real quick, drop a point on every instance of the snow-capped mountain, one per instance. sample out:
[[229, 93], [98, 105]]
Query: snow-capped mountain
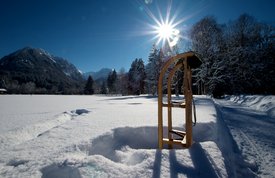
[[101, 74], [45, 71], [68, 68]]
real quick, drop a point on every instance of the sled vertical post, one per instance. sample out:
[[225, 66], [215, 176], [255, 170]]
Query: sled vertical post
[[160, 115], [185, 61], [188, 104]]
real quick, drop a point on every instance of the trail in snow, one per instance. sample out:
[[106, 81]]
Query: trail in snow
[[254, 134], [23, 134]]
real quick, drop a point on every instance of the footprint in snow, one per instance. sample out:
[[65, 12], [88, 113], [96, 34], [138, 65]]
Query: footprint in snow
[[80, 111]]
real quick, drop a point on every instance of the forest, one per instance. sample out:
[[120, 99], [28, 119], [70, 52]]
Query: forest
[[237, 58]]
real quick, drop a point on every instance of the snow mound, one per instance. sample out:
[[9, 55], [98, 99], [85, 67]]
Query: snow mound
[[201, 160], [133, 152], [29, 132], [23, 134], [256, 102]]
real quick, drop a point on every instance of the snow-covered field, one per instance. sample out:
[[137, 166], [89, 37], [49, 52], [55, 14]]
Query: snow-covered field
[[103, 136]]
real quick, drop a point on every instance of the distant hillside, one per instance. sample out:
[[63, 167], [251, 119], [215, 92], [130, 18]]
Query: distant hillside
[[32, 70], [102, 74]]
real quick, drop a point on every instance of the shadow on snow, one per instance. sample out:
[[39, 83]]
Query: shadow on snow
[[145, 138]]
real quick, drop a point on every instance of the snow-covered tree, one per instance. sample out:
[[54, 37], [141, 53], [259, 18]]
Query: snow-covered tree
[[122, 84], [112, 82], [207, 42], [237, 57], [136, 77], [249, 58], [153, 68]]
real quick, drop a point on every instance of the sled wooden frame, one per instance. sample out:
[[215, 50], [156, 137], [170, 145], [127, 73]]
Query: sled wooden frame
[[187, 61]]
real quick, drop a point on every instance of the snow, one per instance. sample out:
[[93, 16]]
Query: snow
[[116, 136], [256, 102], [3, 90], [43, 52], [251, 122], [80, 71]]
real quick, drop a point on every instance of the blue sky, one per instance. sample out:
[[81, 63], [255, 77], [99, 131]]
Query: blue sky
[[93, 34]]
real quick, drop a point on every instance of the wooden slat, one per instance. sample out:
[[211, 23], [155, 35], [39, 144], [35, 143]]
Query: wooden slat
[[174, 104], [180, 105], [173, 141], [178, 132]]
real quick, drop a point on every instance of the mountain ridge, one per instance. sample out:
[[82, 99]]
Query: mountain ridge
[[100, 74], [45, 72]]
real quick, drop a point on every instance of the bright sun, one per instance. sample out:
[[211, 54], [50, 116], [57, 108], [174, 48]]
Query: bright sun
[[164, 27], [167, 33]]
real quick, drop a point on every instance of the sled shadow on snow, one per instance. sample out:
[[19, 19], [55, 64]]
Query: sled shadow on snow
[[147, 138], [141, 138], [137, 138], [132, 97], [60, 171], [202, 166]]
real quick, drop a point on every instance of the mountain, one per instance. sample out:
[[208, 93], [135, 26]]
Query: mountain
[[99, 75], [68, 68], [34, 70]]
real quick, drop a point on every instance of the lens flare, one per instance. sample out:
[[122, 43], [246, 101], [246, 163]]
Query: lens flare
[[164, 27], [167, 33], [148, 1]]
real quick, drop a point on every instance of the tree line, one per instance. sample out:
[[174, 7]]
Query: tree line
[[237, 58], [140, 78]]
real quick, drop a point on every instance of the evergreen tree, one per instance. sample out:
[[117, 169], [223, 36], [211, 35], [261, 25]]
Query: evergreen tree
[[122, 84], [89, 87], [136, 77], [103, 89], [112, 82], [153, 68]]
